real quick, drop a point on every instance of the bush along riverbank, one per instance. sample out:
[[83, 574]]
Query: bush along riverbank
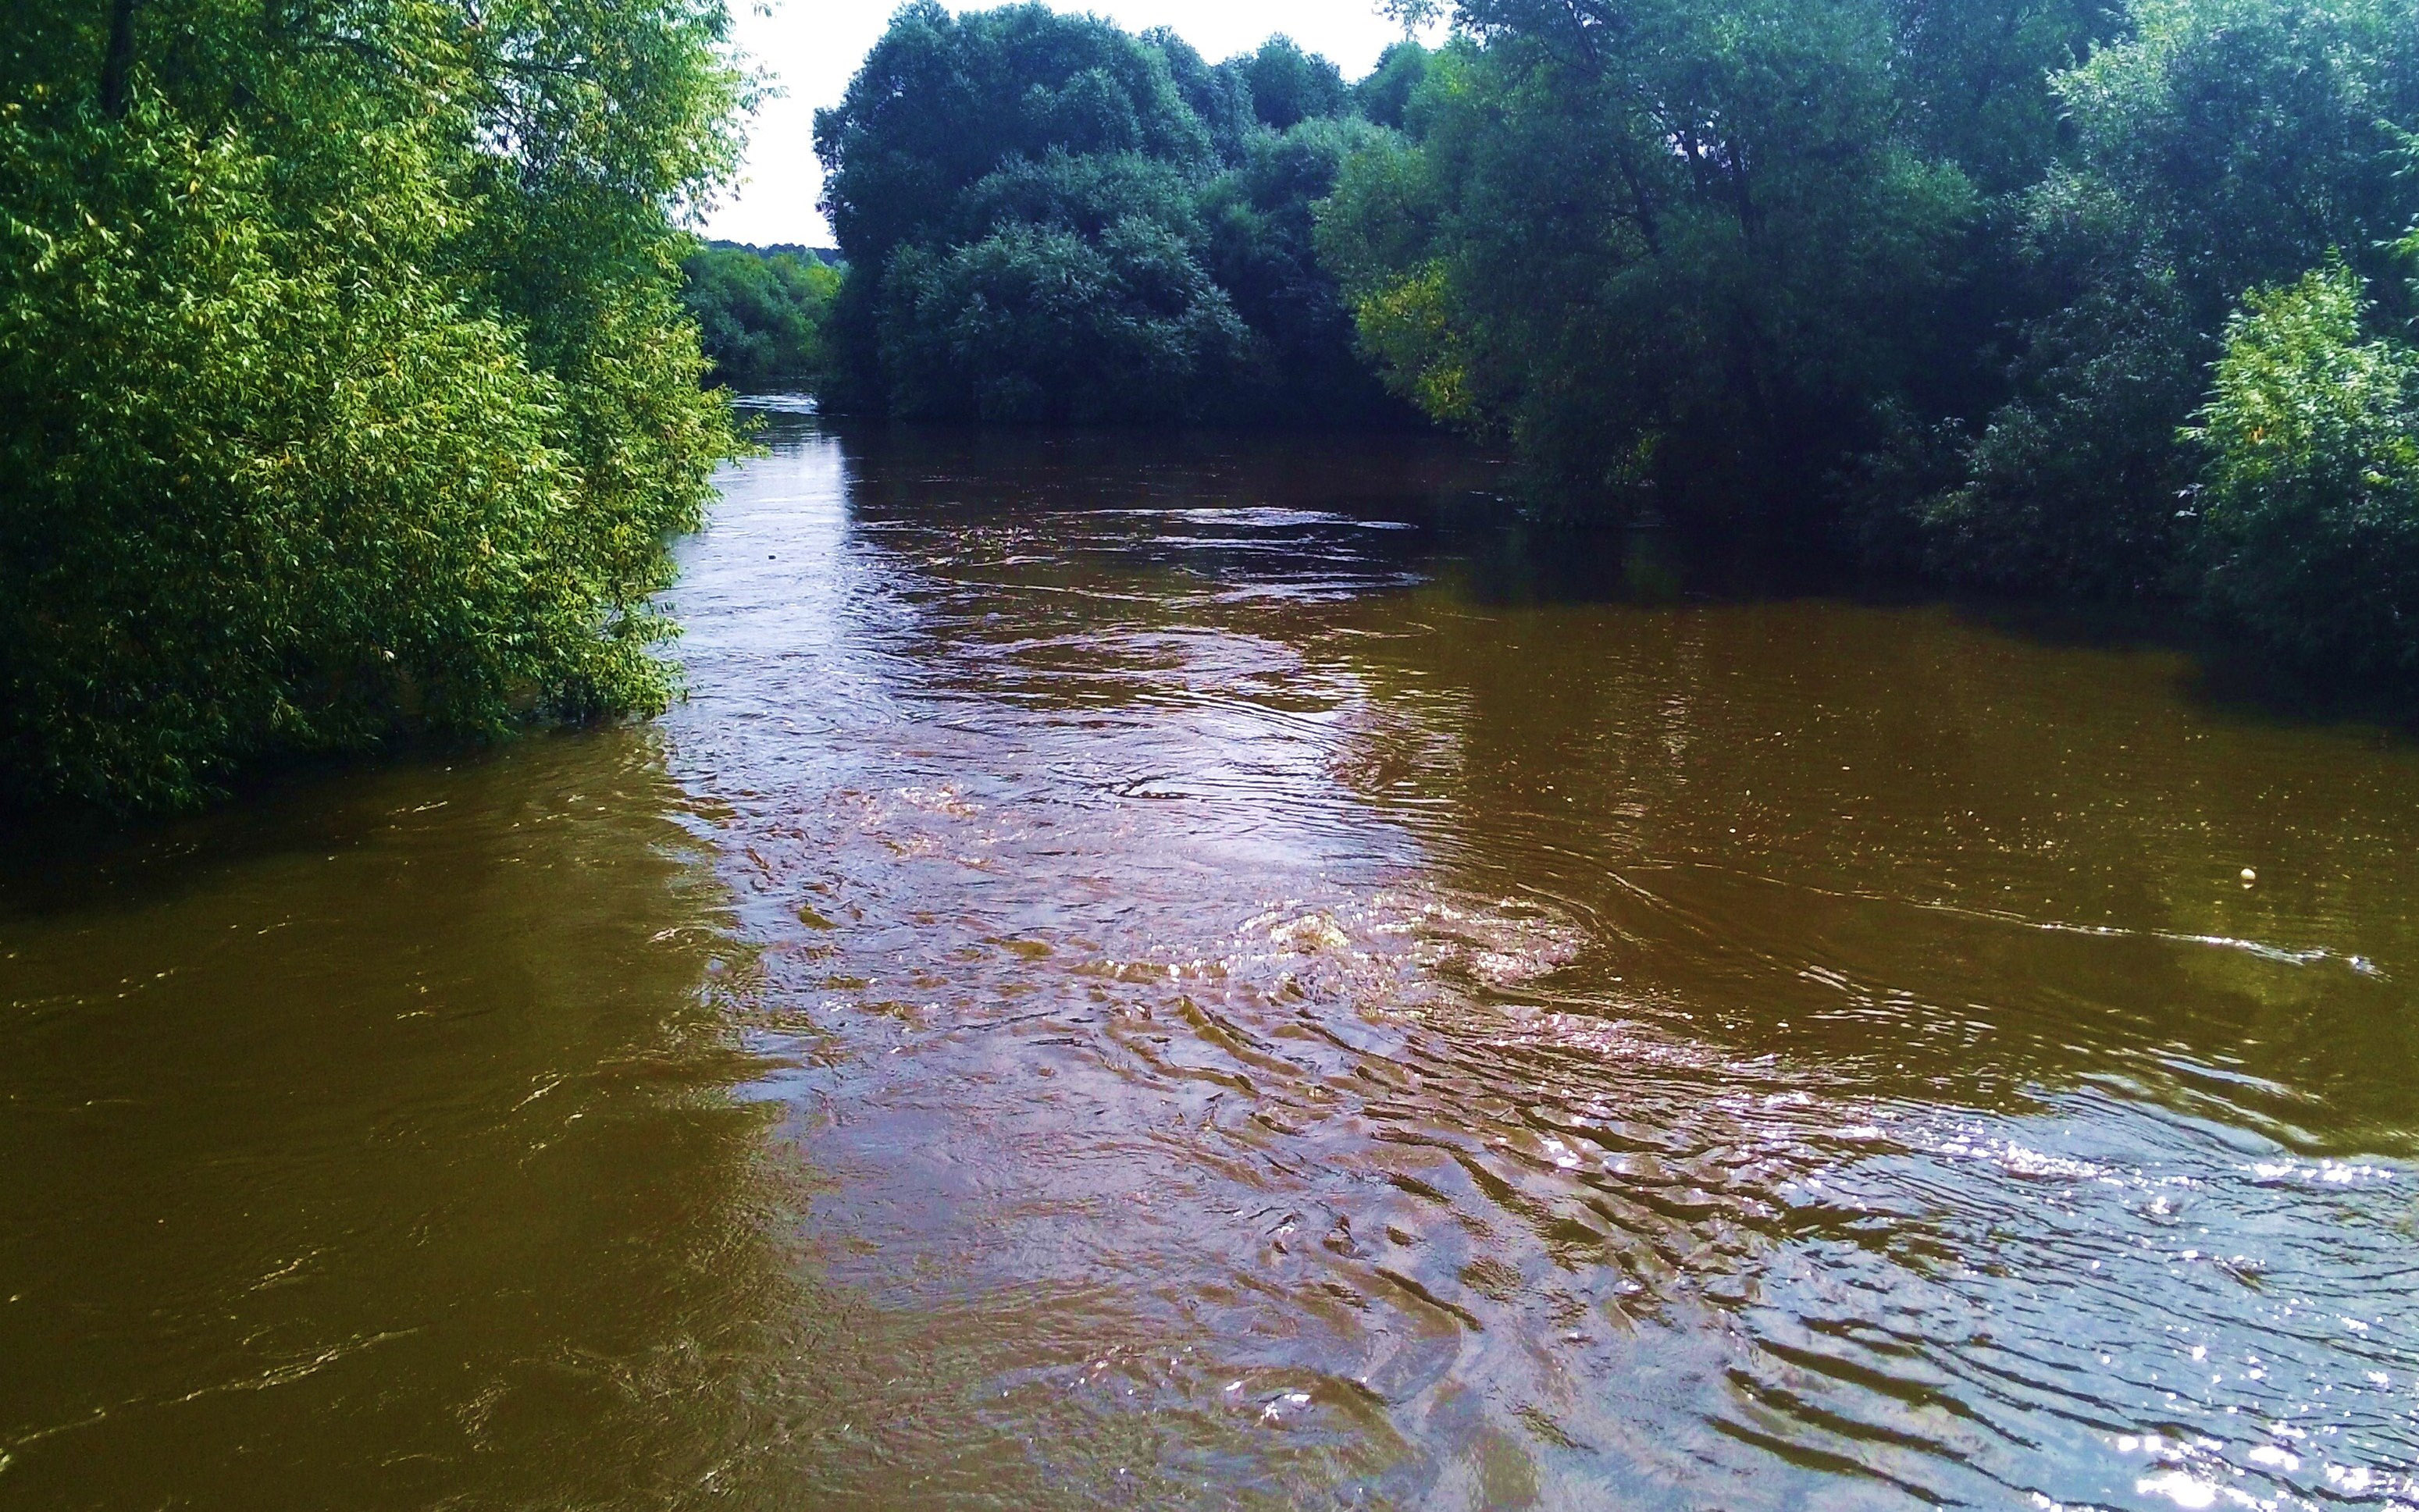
[[345, 390]]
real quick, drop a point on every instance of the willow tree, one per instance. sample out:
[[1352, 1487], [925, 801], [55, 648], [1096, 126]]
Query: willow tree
[[345, 391]]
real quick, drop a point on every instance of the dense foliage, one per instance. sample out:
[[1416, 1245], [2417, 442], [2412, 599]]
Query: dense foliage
[[1047, 218], [760, 312], [2309, 516], [1945, 279], [344, 390], [2220, 145], [1680, 252]]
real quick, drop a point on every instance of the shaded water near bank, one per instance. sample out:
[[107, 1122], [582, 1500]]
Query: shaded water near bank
[[1149, 973]]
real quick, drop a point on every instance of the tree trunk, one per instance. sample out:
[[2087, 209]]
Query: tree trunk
[[118, 64]]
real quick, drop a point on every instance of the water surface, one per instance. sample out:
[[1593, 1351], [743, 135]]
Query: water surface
[[1183, 973]]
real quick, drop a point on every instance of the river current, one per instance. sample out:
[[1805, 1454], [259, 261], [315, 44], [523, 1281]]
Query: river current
[[1195, 973]]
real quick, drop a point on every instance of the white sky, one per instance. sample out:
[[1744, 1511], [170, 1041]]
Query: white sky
[[811, 47]]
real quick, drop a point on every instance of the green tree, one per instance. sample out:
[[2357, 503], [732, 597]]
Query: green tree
[[1259, 240], [940, 104], [1670, 252], [760, 316], [343, 390], [1218, 94], [2221, 145], [1046, 218], [1972, 79], [1289, 86], [1063, 288], [2310, 504], [1384, 96], [1034, 322]]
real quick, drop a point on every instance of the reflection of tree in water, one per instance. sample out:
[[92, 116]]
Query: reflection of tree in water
[[1092, 568], [1579, 1046], [1886, 839], [1918, 1023]]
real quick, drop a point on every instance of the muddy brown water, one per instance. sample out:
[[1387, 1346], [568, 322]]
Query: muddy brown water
[[1150, 973]]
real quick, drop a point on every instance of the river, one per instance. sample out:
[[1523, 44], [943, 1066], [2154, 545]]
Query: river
[[1192, 972]]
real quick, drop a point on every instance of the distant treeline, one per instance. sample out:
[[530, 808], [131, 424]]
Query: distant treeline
[[2103, 299], [799, 250], [760, 310]]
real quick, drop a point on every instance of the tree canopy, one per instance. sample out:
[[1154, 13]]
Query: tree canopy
[[1047, 218], [1675, 252], [2220, 146]]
